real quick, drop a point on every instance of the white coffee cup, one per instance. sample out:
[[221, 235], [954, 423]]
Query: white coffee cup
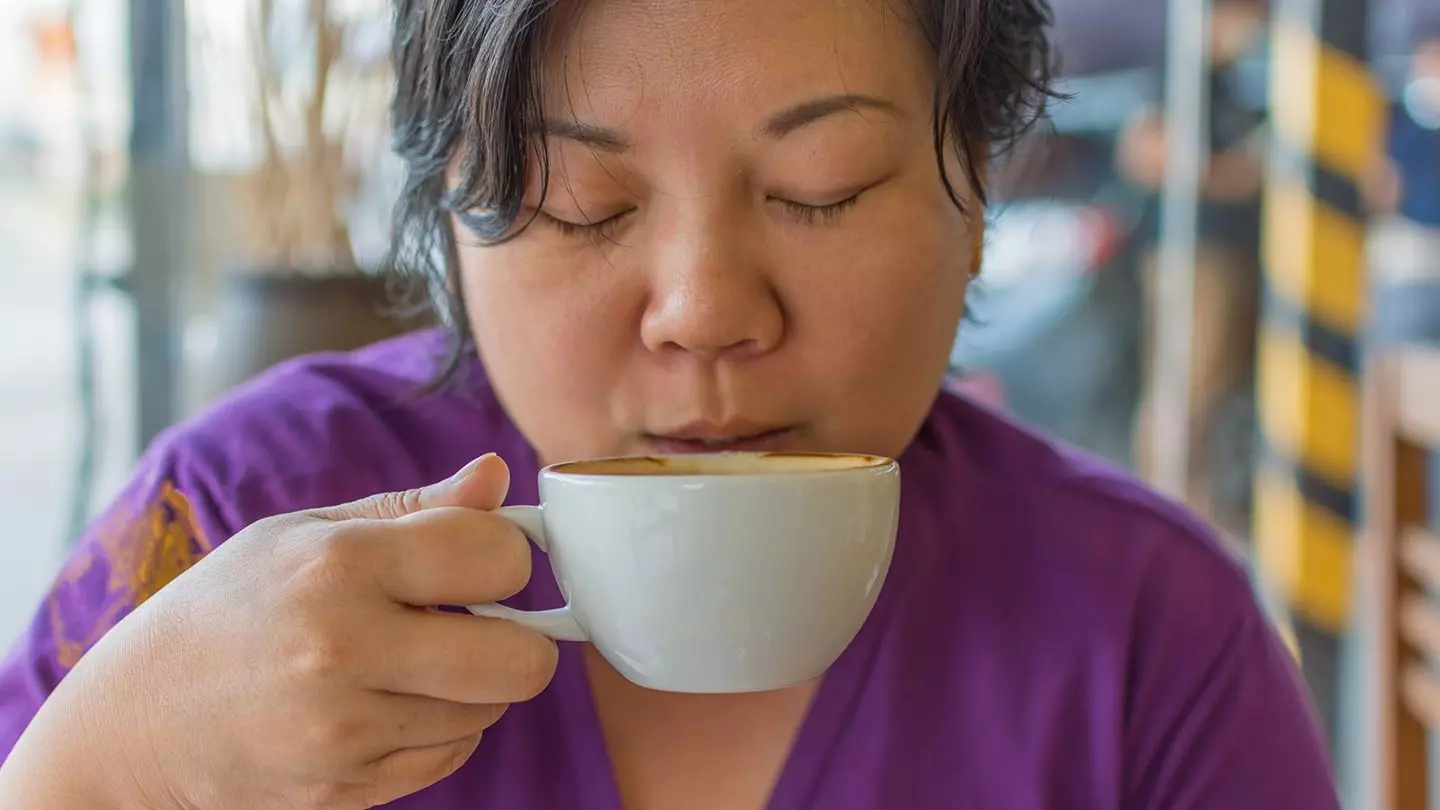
[[733, 572]]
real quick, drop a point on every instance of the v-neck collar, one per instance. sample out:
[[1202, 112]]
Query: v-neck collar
[[805, 766], [824, 724]]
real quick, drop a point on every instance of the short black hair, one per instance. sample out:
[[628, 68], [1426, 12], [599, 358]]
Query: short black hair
[[467, 90]]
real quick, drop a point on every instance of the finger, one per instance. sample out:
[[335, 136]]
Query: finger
[[401, 773], [412, 721], [463, 659], [481, 484], [448, 556]]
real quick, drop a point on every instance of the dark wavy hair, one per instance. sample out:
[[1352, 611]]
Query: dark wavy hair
[[467, 88]]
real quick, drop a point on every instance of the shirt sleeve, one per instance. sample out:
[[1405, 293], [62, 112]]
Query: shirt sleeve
[[161, 524], [1219, 718]]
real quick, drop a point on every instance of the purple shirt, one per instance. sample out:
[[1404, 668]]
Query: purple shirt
[[1052, 635]]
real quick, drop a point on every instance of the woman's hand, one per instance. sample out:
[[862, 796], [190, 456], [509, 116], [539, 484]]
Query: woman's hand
[[301, 664]]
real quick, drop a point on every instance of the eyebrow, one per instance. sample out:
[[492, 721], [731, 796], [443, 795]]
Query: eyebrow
[[778, 126], [806, 113], [595, 136]]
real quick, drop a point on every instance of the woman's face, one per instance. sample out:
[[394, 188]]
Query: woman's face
[[745, 243]]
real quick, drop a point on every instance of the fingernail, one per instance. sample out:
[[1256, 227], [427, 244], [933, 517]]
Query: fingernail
[[471, 467]]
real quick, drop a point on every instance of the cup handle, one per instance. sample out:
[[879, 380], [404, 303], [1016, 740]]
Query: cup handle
[[558, 624]]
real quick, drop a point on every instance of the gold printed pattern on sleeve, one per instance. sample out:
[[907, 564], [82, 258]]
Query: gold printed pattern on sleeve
[[140, 551]]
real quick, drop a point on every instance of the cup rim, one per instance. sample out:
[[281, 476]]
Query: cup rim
[[870, 464]]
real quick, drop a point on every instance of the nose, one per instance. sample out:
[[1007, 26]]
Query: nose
[[712, 296]]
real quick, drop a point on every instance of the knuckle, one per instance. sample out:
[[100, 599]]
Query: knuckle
[[320, 655], [329, 733], [335, 558], [393, 505]]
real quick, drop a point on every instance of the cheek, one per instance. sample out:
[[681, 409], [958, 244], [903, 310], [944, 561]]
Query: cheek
[[882, 312], [894, 292], [536, 300], [554, 348]]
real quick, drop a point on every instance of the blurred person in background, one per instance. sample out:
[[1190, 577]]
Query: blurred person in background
[[654, 228], [1403, 192], [1227, 277], [1408, 181]]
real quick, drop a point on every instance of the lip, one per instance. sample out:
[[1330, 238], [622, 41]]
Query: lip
[[722, 439]]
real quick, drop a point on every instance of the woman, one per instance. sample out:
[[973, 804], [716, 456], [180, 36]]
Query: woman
[[1226, 298], [663, 226]]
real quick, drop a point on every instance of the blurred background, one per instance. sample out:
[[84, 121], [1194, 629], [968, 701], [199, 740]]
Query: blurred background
[[1201, 269]]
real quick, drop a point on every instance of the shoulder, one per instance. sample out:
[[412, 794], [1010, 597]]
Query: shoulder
[[314, 431], [1051, 562], [1059, 581], [332, 427], [1052, 511]]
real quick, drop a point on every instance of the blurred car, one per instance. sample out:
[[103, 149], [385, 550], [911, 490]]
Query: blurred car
[[1050, 332], [1041, 261]]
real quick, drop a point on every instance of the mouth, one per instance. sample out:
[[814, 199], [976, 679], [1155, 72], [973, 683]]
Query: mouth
[[722, 439]]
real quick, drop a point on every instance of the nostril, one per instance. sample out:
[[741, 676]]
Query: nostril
[[737, 350], [735, 331]]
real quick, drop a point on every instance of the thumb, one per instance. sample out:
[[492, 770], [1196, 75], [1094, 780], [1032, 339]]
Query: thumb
[[481, 484]]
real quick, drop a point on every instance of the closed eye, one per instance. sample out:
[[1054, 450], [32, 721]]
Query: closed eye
[[601, 227], [827, 214]]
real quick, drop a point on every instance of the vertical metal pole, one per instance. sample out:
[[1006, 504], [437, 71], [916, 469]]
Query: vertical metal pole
[[1328, 111], [158, 190], [1187, 114]]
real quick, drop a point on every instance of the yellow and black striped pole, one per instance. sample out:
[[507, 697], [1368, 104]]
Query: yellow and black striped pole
[[1328, 114]]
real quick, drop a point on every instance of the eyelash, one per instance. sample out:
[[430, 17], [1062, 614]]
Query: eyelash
[[818, 214], [806, 214], [601, 228]]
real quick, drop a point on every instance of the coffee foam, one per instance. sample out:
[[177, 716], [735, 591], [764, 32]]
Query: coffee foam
[[723, 464]]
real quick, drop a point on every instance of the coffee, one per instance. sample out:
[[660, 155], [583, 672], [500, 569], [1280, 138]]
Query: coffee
[[722, 464]]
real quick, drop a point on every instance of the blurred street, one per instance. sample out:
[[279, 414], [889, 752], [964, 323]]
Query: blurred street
[[39, 410]]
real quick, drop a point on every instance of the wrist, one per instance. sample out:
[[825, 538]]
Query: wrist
[[38, 777], [66, 760]]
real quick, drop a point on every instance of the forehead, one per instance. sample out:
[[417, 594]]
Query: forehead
[[622, 62]]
